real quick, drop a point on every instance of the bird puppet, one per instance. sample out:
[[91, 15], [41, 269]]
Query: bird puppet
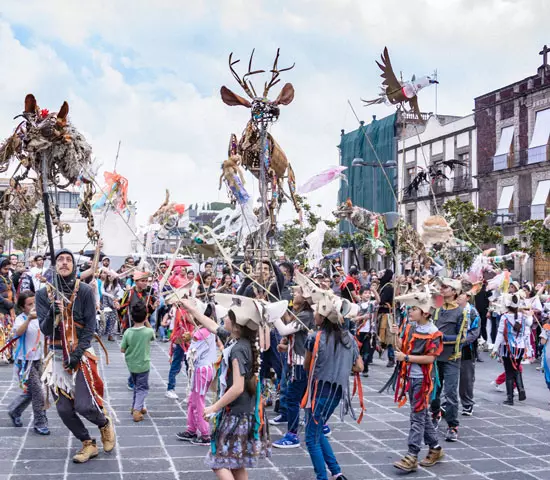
[[396, 92], [434, 172]]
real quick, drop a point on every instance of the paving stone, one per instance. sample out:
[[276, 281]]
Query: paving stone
[[512, 476], [145, 465]]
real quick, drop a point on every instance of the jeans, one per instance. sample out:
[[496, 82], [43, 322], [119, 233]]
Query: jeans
[[178, 357], [317, 444], [34, 395], [283, 392], [391, 353], [449, 372], [467, 379], [141, 389], [296, 390], [163, 332], [422, 427]]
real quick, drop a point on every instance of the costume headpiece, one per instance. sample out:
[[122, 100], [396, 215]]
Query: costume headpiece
[[455, 284], [249, 312], [422, 299], [141, 275]]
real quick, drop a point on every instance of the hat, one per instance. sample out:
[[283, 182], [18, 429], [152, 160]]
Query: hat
[[516, 284], [249, 312], [450, 282], [179, 294], [422, 299], [141, 275], [221, 312], [305, 284], [353, 271]]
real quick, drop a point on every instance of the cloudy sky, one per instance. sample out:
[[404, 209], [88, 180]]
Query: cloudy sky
[[149, 73]]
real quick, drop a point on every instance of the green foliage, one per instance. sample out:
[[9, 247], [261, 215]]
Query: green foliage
[[513, 244], [292, 236], [538, 237], [472, 226], [19, 229]]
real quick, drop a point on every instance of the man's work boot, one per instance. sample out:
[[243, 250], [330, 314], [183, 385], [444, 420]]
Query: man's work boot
[[88, 450], [108, 437]]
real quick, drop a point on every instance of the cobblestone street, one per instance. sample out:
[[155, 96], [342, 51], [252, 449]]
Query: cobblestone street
[[489, 447]]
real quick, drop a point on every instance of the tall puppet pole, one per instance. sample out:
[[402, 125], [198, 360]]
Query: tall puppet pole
[[46, 202]]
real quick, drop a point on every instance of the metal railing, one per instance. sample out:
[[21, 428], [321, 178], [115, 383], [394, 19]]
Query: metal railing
[[527, 156]]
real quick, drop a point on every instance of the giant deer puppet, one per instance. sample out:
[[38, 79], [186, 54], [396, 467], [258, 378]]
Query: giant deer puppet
[[248, 150]]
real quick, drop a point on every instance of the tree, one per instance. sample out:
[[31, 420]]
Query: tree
[[291, 238], [472, 226], [538, 237], [19, 229]]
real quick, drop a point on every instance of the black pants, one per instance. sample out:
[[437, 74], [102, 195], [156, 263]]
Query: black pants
[[367, 348], [82, 404], [513, 373], [483, 329]]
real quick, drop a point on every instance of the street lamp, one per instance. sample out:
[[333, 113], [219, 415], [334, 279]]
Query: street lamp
[[359, 162]]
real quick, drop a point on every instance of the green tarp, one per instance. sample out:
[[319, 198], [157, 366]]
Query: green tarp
[[367, 187]]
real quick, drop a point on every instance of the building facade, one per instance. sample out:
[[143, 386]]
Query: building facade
[[443, 138], [513, 129]]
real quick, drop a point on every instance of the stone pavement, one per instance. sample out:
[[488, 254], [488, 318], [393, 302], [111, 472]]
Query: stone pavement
[[489, 447]]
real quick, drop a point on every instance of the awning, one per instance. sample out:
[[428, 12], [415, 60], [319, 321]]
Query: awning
[[542, 129], [541, 195], [506, 137], [506, 198]]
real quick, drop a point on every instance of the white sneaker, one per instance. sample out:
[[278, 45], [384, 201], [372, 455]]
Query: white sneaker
[[171, 394], [498, 388]]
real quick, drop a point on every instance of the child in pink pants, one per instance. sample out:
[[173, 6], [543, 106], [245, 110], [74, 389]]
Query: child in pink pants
[[202, 355]]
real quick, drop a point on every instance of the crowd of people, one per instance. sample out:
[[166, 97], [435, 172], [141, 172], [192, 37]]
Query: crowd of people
[[271, 335]]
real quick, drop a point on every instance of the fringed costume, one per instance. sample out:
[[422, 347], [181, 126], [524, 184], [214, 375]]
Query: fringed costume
[[71, 367]]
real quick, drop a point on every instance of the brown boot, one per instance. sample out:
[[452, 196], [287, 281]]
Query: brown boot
[[138, 416], [409, 463], [144, 410], [108, 437], [88, 450], [434, 456]]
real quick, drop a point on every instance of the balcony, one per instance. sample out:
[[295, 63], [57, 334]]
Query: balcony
[[511, 216], [463, 182], [538, 154], [503, 162]]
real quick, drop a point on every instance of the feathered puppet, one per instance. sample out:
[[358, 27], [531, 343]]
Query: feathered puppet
[[434, 172], [396, 92]]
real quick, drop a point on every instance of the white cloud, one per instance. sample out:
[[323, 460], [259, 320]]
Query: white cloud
[[150, 76]]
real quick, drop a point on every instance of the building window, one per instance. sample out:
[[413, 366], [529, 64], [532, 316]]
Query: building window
[[538, 148], [411, 218], [68, 199], [504, 155], [541, 201]]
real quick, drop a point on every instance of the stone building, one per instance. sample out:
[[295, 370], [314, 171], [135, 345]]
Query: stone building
[[443, 138], [513, 129]]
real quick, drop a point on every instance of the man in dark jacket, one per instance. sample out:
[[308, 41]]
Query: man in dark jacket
[[73, 377], [7, 291]]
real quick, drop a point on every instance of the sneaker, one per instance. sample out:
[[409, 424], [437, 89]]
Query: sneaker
[[110, 338], [390, 364], [171, 394], [498, 387], [326, 431], [186, 436], [290, 440], [15, 419], [409, 463], [468, 411], [452, 434], [42, 430], [130, 387], [434, 455], [278, 420], [339, 476], [365, 374], [201, 441]]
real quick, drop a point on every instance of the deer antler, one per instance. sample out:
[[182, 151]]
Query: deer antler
[[244, 83], [275, 74]]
